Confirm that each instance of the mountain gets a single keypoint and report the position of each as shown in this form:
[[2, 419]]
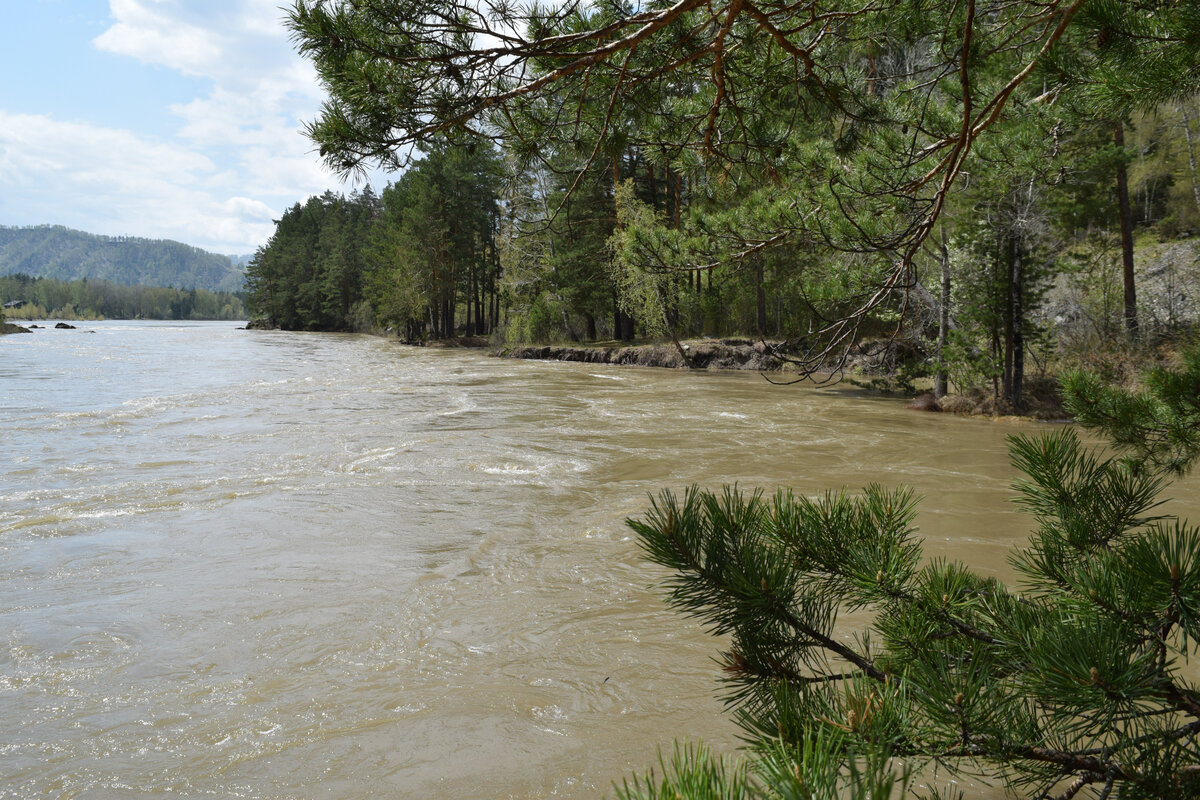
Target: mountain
[[52, 251]]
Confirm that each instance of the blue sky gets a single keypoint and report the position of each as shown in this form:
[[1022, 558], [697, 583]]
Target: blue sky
[[172, 119]]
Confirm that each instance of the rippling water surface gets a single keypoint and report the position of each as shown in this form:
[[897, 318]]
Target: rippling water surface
[[273, 565]]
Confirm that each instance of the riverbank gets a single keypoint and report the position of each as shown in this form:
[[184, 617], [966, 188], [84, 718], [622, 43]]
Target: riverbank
[[741, 354], [1044, 402]]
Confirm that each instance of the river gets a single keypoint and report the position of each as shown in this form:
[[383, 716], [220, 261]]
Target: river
[[281, 565]]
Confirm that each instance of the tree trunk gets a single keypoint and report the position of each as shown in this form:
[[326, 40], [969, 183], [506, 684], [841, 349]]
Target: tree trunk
[[471, 312], [571, 334], [941, 380], [1017, 288], [495, 273], [760, 299], [1013, 376], [1187, 133], [1005, 345], [1131, 320], [622, 322]]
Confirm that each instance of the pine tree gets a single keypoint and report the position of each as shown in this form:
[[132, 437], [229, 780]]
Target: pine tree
[[1159, 425], [1075, 682]]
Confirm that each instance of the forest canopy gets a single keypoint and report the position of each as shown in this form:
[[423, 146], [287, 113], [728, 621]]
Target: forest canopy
[[841, 126]]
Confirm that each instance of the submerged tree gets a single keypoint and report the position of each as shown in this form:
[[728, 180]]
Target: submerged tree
[[1074, 682]]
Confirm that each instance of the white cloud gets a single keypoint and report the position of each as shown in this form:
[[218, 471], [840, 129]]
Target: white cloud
[[153, 32], [237, 158], [261, 93], [248, 208], [113, 182]]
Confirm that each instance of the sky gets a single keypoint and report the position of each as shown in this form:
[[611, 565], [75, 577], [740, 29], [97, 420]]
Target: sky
[[164, 119]]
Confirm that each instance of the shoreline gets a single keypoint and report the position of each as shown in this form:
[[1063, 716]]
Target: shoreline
[[706, 354], [755, 356]]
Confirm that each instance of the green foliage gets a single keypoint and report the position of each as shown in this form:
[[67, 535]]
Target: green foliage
[[1123, 56], [644, 294], [1076, 681], [48, 298], [692, 772], [814, 770], [309, 275], [1158, 426], [406, 260], [52, 251], [553, 241], [786, 163], [435, 242]]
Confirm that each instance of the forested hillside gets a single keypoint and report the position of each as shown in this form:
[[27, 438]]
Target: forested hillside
[[52, 251]]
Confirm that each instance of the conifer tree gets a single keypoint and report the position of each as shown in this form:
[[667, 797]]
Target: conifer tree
[[1074, 683]]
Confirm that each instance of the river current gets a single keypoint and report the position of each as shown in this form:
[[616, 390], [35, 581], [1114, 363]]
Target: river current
[[280, 565]]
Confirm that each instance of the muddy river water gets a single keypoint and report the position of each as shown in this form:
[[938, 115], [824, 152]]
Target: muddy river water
[[274, 565]]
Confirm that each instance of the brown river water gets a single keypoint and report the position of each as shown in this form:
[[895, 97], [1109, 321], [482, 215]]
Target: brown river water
[[280, 565]]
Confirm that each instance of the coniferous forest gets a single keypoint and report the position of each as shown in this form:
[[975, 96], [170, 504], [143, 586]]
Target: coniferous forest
[[988, 188]]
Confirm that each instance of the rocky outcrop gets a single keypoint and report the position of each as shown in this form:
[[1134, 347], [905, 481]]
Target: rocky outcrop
[[1168, 293], [8, 327], [62, 326], [1169, 283], [701, 354]]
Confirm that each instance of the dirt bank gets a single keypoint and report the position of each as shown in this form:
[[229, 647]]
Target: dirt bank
[[701, 354]]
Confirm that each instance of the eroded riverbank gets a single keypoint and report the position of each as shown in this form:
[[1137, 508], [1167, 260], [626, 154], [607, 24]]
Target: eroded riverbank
[[731, 354]]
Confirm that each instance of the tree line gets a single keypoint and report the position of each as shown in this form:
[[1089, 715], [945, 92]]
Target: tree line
[[27, 297], [471, 240], [421, 258]]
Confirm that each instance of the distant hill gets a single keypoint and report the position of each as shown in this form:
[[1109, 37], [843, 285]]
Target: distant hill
[[52, 251]]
